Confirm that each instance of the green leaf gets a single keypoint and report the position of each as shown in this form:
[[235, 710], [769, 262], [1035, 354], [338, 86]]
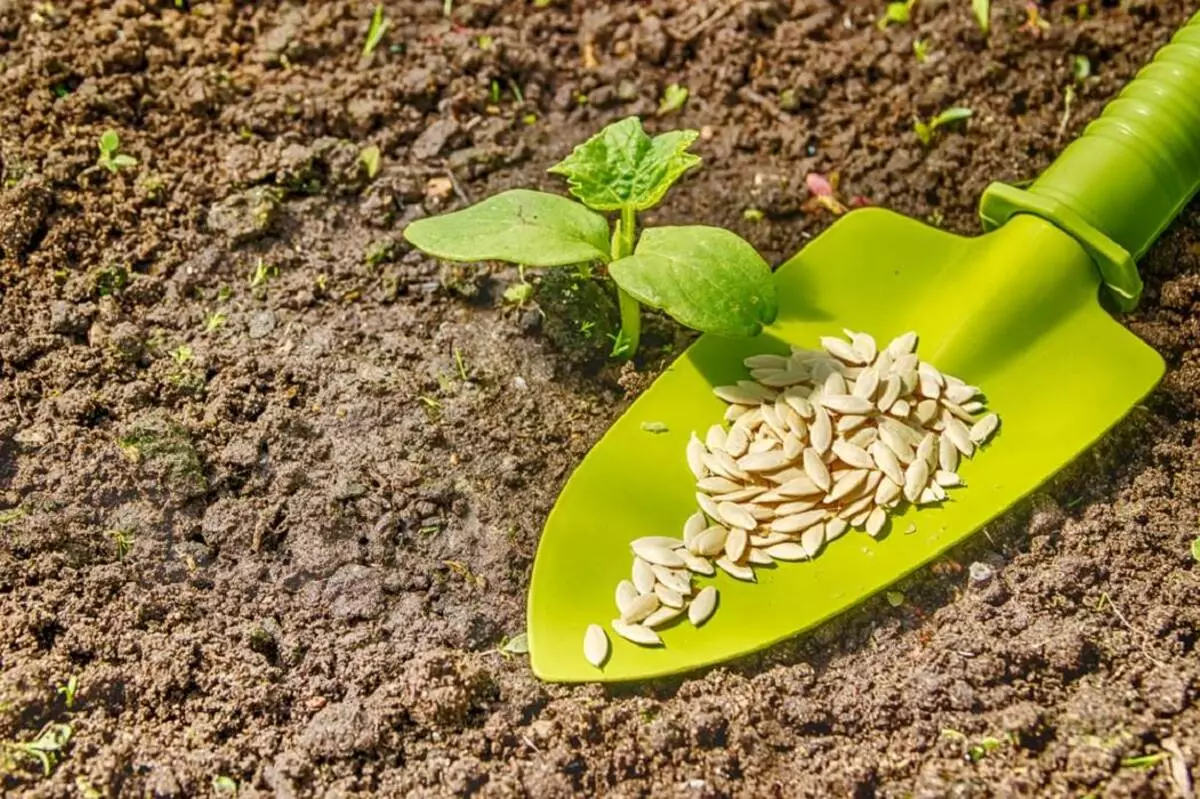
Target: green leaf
[[950, 115], [123, 160], [622, 167], [1081, 68], [517, 645], [519, 226], [705, 277], [1196, 550], [379, 26], [109, 142], [983, 14], [369, 156], [673, 98]]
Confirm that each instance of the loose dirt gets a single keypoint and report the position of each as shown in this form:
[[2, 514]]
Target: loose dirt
[[271, 484]]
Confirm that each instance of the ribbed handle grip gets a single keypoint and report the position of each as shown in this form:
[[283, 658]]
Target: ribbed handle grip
[[1133, 169]]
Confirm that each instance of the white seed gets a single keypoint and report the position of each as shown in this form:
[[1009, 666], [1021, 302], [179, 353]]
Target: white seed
[[766, 361], [841, 350], [974, 406], [757, 557], [768, 540], [798, 522], [864, 437], [820, 432], [959, 412], [783, 476], [595, 645], [737, 441], [761, 391], [834, 528], [834, 385], [708, 505], [735, 544], [888, 463], [792, 447], [926, 450], [852, 455], [672, 599], [659, 541], [640, 608], [905, 363], [735, 412], [847, 485], [761, 445], [643, 576], [847, 423], [735, 570], [695, 457], [735, 395], [864, 345], [762, 461], [718, 485], [887, 492], [715, 437], [915, 478], [928, 496], [897, 444], [947, 479], [816, 470], [900, 409], [626, 594], [655, 554], [890, 393], [783, 379], [693, 527], [741, 495], [736, 516], [926, 411], [792, 508], [957, 432], [799, 404], [678, 580], [697, 564], [847, 404], [902, 345], [960, 393], [760, 513], [855, 508], [947, 454], [812, 540], [909, 381], [982, 430], [662, 616], [787, 550], [866, 384], [702, 606], [795, 424], [875, 522], [709, 543], [637, 633]]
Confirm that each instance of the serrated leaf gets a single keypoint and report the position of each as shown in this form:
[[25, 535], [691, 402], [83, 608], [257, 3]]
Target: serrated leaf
[[706, 278], [622, 167], [520, 227]]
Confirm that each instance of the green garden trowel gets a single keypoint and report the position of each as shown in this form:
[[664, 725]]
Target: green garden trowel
[[1015, 311]]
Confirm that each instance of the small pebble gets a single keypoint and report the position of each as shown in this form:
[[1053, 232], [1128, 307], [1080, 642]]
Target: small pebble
[[981, 573]]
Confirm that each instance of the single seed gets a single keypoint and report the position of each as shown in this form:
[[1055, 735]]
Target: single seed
[[902, 344], [900, 409], [812, 540], [702, 606], [656, 554], [834, 385], [887, 492], [796, 425], [875, 522], [947, 454], [757, 557], [761, 445], [799, 404], [960, 393], [947, 479], [816, 470], [927, 497], [741, 495], [927, 386], [672, 599], [662, 616], [959, 412], [693, 527], [787, 550], [905, 363], [735, 544], [735, 412], [890, 393], [735, 570], [792, 508], [820, 432], [698, 564], [792, 447], [864, 345], [718, 485], [595, 645], [768, 540], [736, 395], [760, 513], [866, 384], [678, 580], [695, 457], [643, 576], [783, 379], [974, 406], [763, 462], [982, 430], [774, 422], [909, 380], [847, 404], [762, 392], [841, 350], [640, 608], [736, 516], [637, 633], [852, 455], [915, 478], [959, 435], [715, 437], [888, 463], [847, 423], [708, 505], [926, 411], [856, 507], [865, 437], [847, 485], [709, 543], [766, 361], [626, 594], [897, 444], [737, 442], [834, 528], [926, 449], [666, 542], [798, 522]]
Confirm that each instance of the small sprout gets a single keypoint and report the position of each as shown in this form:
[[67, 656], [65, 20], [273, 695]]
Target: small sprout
[[1034, 25], [69, 690], [753, 215], [517, 94], [1144, 761], [224, 293], [1082, 12], [46, 749], [215, 320], [542, 3], [379, 26], [10, 515], [447, 8], [519, 293], [673, 98], [464, 572], [369, 158], [1081, 68], [494, 92], [1068, 104], [485, 42], [263, 272], [110, 157], [978, 751], [431, 403], [1196, 550], [921, 50], [983, 14], [925, 130], [655, 427], [461, 363], [122, 542], [824, 194], [517, 645], [894, 598], [622, 347], [182, 354], [898, 13], [530, 119], [223, 785]]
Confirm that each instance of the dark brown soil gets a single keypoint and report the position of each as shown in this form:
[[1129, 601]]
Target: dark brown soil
[[283, 556]]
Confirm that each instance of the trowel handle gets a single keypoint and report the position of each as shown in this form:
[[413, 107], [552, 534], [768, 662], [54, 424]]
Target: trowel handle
[[1119, 185]]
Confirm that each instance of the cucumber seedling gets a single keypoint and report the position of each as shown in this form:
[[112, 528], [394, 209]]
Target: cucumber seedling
[[110, 156], [704, 277], [925, 130]]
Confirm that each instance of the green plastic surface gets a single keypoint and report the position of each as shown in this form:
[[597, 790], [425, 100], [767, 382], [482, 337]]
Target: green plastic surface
[[1014, 311], [1118, 186]]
